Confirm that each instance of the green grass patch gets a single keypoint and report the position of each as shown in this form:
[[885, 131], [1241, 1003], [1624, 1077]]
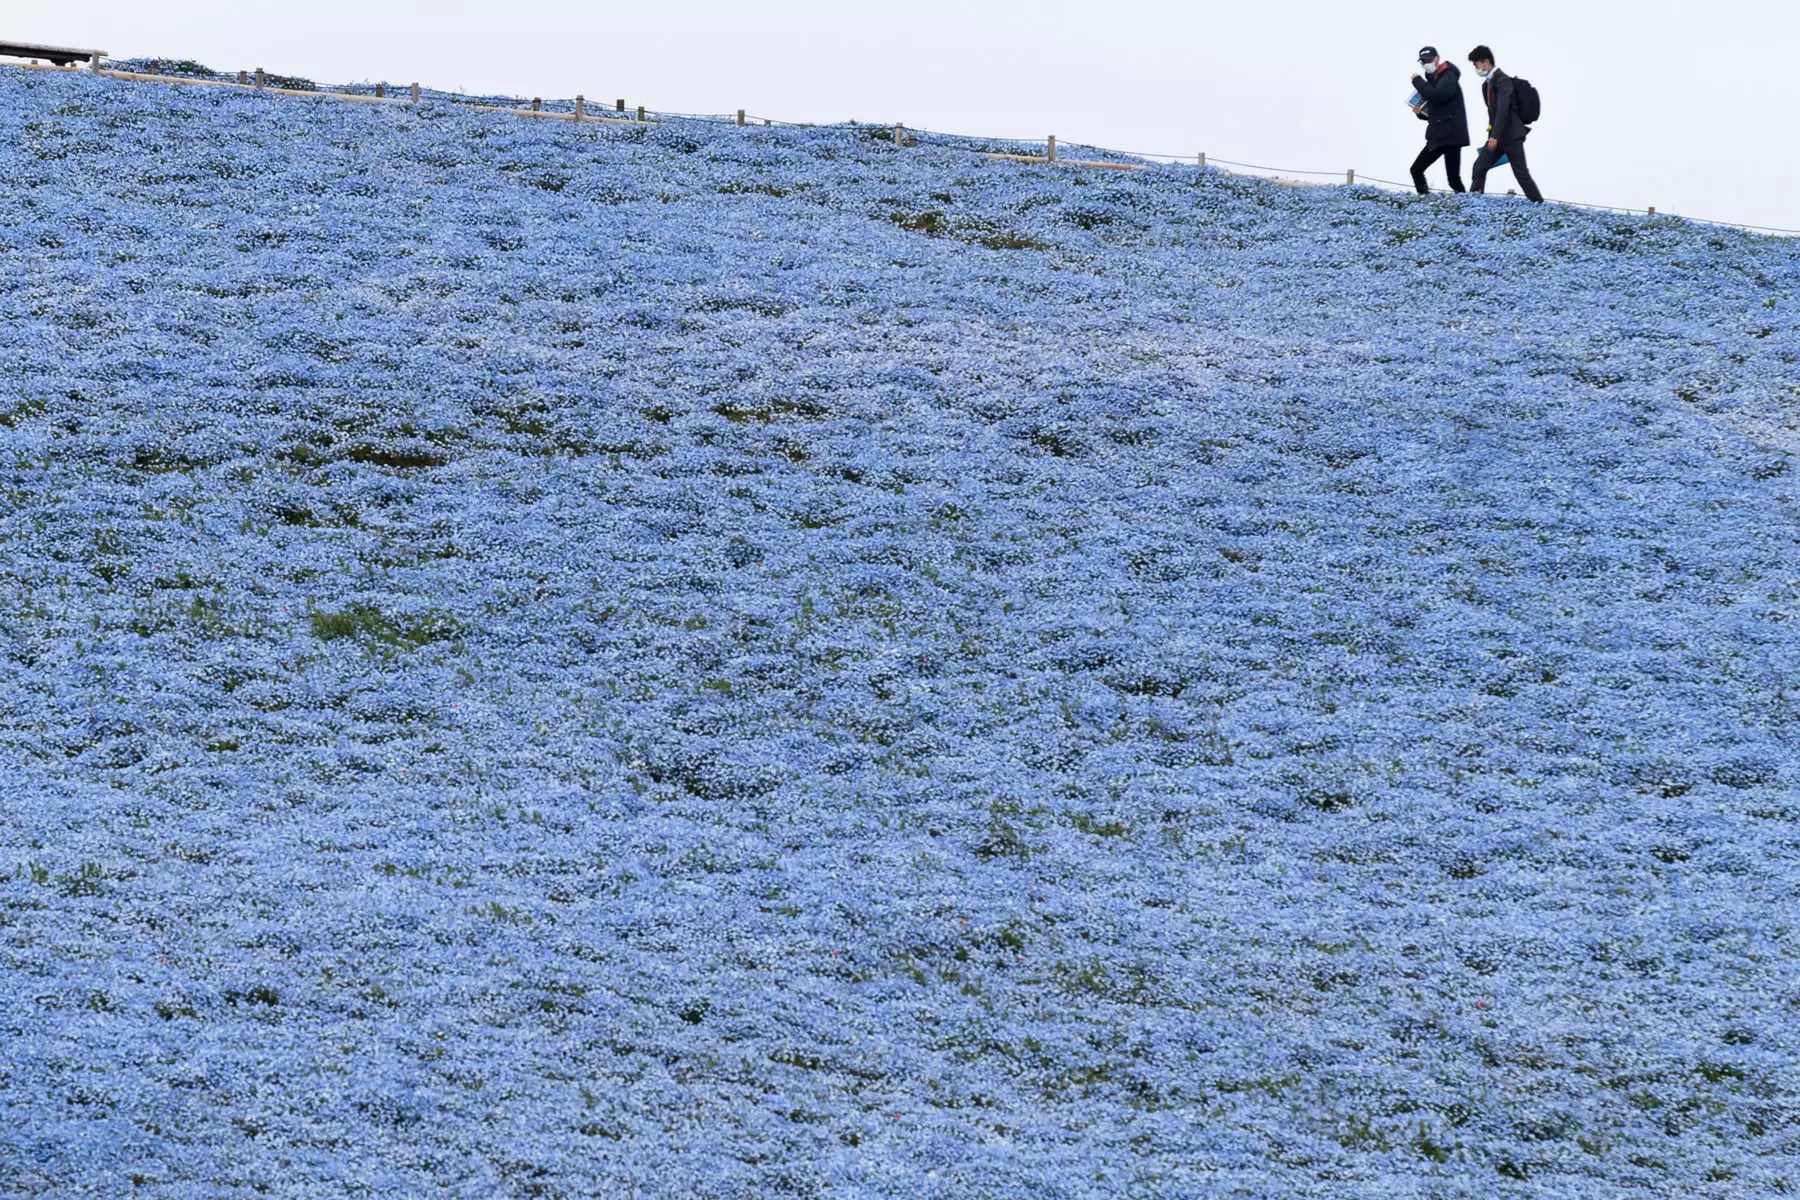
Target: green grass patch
[[367, 624]]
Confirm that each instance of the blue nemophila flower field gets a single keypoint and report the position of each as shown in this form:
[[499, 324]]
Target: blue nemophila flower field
[[564, 661]]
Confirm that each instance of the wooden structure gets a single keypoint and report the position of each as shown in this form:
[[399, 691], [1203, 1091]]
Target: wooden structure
[[62, 56]]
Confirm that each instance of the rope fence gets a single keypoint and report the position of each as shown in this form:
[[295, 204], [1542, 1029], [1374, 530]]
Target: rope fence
[[1022, 150]]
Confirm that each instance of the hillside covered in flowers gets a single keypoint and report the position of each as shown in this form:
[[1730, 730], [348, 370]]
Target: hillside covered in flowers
[[549, 660]]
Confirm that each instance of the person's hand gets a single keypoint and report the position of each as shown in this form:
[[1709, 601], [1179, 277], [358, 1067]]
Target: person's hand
[[1493, 143]]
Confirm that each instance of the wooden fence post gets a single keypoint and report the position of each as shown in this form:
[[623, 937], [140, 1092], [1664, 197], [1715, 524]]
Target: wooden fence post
[[580, 107], [1051, 155], [640, 114], [380, 90], [899, 135], [621, 107], [415, 93], [537, 104], [1653, 210], [243, 78], [1350, 178], [740, 118], [1203, 160], [261, 79], [94, 62]]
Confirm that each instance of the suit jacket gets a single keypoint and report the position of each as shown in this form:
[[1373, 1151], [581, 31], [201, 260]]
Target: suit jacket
[[1503, 115], [1443, 97]]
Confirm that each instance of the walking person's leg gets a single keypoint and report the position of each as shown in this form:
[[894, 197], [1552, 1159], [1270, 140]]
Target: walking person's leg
[[1522, 173], [1453, 167], [1484, 162], [1427, 156]]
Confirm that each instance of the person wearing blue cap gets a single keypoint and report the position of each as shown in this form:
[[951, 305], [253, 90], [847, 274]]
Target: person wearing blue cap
[[1439, 88]]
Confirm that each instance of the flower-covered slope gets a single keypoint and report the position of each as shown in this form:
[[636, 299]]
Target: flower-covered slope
[[546, 660]]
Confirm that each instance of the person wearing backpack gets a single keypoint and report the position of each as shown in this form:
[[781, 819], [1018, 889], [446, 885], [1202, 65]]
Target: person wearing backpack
[[1512, 105], [1439, 85]]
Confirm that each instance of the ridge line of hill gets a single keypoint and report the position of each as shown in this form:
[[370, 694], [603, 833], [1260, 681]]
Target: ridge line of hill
[[121, 69]]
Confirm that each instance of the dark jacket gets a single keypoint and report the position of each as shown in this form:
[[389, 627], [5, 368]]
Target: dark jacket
[[1503, 114], [1443, 97]]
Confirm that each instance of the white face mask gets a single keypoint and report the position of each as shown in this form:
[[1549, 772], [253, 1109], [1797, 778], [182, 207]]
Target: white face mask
[[1484, 72], [1429, 68]]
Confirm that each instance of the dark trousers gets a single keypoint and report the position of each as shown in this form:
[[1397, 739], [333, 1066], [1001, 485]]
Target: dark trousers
[[1515, 153], [1452, 156]]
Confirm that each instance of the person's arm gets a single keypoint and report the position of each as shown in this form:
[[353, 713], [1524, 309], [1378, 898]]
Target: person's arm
[[1432, 89], [1502, 128]]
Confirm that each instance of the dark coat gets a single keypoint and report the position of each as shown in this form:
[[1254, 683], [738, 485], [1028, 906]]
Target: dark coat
[[1503, 114], [1443, 97]]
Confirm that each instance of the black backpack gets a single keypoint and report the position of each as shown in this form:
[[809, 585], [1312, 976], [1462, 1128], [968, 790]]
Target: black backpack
[[1525, 100]]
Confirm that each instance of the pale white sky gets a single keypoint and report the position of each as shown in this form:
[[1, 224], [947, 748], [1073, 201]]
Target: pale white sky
[[1686, 106]]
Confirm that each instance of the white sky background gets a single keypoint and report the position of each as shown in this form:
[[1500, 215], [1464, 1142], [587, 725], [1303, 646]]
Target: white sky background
[[1686, 106]]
